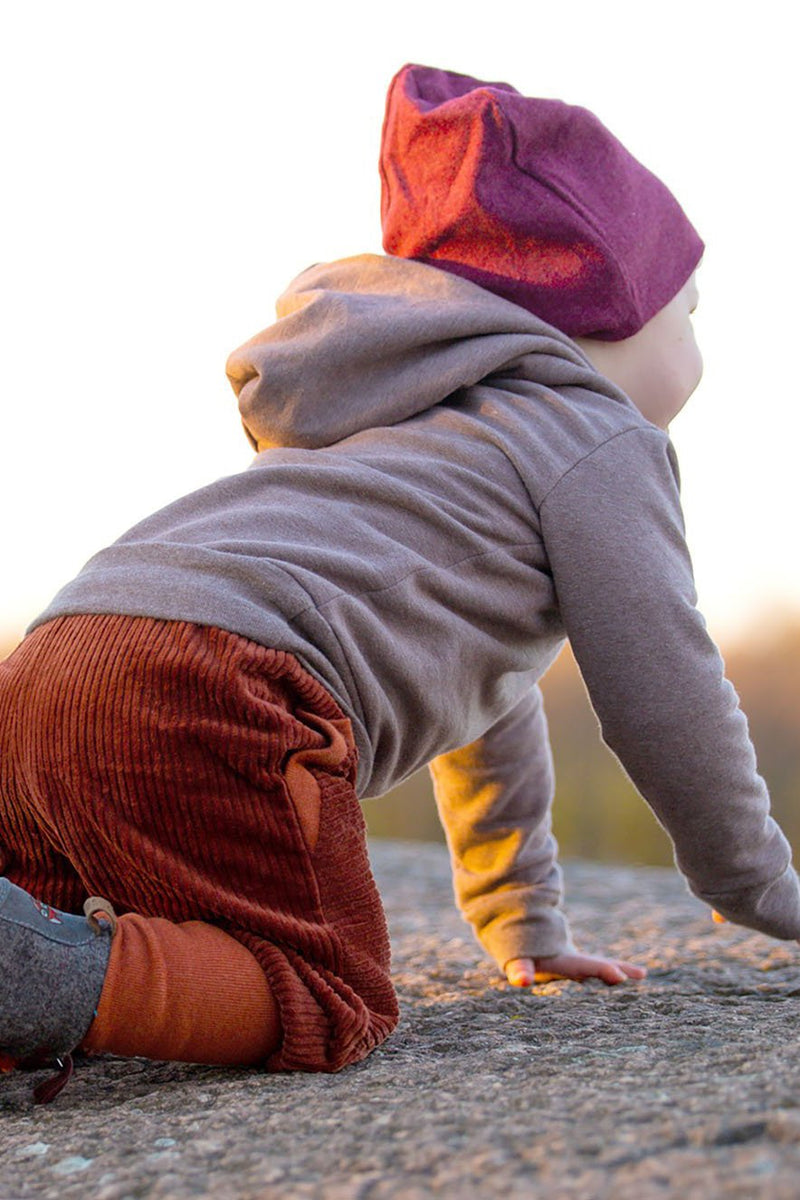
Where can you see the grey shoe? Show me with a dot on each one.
(52, 968)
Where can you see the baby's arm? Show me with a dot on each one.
(494, 798)
(613, 530)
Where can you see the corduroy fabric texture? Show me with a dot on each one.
(147, 761)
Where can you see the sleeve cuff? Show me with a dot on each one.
(773, 909)
(539, 934)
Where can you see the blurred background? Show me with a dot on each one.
(170, 166)
(598, 814)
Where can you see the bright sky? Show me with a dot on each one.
(170, 165)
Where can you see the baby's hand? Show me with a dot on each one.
(523, 972)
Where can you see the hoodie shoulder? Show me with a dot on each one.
(372, 340)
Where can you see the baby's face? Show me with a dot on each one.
(661, 365)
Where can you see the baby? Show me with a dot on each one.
(461, 461)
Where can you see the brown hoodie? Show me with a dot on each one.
(445, 489)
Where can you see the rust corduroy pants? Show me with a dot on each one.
(188, 775)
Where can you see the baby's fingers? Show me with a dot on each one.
(613, 972)
(523, 972)
(586, 966)
(520, 972)
(632, 972)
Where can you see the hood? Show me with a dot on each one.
(372, 340)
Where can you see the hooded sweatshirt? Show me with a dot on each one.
(444, 490)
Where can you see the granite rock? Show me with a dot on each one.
(686, 1085)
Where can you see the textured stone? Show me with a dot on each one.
(687, 1085)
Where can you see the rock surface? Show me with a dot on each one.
(687, 1085)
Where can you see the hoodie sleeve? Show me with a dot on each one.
(614, 536)
(494, 798)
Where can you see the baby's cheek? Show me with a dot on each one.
(691, 365)
(681, 371)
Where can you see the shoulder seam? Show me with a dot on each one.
(652, 430)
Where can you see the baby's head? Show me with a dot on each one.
(536, 201)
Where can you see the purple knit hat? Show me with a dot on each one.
(533, 199)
